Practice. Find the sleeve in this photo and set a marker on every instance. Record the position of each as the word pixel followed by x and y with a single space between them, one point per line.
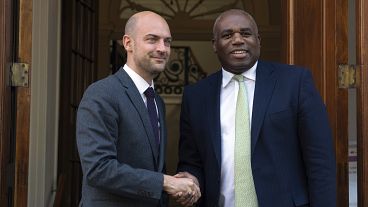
pixel 316 143
pixel 97 135
pixel 189 155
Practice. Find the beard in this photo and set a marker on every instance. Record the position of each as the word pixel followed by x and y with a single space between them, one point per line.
pixel 151 65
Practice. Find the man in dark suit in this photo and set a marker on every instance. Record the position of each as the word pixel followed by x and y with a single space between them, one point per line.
pixel 287 158
pixel 121 129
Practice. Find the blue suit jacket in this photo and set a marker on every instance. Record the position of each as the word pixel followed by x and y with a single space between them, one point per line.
pixel 293 161
pixel 121 161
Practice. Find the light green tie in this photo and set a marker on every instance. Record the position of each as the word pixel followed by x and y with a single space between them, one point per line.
pixel 245 193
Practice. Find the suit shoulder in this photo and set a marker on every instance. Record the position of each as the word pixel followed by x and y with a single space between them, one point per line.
pixel 284 68
pixel 109 82
pixel 106 87
pixel 101 97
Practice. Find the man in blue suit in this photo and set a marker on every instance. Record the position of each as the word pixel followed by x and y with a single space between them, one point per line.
pixel 291 155
pixel 121 128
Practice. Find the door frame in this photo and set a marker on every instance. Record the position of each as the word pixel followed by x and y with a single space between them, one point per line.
pixel 42 177
pixel 23 95
pixel 362 100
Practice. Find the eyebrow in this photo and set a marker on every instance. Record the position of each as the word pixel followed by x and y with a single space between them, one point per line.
pixel 241 29
pixel 151 35
pixel 158 36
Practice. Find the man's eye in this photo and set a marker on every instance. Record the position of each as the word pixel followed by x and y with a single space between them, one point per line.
pixel 227 36
pixel 151 40
pixel 246 34
pixel 167 43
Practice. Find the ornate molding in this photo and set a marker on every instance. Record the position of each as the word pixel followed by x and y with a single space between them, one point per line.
pixel 182 69
pixel 181 10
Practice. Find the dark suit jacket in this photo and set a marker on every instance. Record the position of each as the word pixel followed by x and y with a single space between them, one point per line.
pixel 293 161
pixel 121 162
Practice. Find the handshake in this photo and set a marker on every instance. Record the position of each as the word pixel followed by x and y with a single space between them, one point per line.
pixel 183 187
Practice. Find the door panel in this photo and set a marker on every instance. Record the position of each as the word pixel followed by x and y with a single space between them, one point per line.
pixel 78 70
pixel 320 43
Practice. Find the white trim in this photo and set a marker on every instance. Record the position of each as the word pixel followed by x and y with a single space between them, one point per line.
pixel 45 69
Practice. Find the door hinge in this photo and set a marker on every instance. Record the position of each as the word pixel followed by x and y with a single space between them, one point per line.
pixel 19 74
pixel 348 76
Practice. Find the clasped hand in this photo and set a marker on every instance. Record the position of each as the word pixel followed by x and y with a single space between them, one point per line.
pixel 183 187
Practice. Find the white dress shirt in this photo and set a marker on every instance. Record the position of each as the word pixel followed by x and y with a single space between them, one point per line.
pixel 139 82
pixel 142 86
pixel 229 93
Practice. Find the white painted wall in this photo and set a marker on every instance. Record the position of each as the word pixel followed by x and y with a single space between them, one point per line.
pixel 44 102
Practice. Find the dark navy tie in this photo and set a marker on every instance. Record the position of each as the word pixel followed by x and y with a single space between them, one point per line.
pixel 150 94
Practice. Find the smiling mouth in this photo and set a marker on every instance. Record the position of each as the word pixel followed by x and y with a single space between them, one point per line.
pixel 239 52
pixel 159 59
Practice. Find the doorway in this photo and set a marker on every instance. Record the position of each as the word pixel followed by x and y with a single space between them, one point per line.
pixel 283 28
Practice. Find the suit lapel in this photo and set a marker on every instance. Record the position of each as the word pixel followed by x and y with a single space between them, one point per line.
pixel 214 127
pixel 265 84
pixel 137 101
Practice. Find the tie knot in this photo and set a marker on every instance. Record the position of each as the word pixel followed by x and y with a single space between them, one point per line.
pixel 239 78
pixel 149 92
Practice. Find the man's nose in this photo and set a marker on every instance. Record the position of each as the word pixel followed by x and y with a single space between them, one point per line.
pixel 238 38
pixel 161 46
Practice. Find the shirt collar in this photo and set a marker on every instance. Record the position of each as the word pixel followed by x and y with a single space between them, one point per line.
pixel 139 82
pixel 249 74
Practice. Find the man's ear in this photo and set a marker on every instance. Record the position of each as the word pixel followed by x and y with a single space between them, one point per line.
pixel 127 43
pixel 213 45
